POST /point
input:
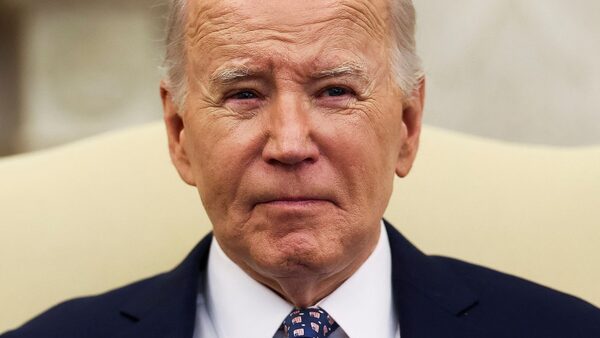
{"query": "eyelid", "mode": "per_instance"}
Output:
(345, 87)
(230, 94)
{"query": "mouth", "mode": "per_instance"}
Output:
(293, 202)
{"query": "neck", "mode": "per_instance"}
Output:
(311, 288)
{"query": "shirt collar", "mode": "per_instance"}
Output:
(366, 297)
(231, 293)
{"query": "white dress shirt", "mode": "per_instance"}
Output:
(233, 305)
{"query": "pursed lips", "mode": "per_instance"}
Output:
(293, 201)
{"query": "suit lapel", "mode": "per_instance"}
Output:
(431, 301)
(166, 306)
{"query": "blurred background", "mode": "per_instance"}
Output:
(517, 70)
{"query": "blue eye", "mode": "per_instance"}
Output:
(336, 91)
(244, 95)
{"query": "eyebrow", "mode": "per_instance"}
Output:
(349, 68)
(231, 74)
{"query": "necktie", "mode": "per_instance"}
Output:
(312, 322)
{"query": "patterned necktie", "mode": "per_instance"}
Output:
(312, 322)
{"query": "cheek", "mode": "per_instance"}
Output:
(359, 147)
(221, 149)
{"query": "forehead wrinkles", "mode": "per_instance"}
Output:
(204, 20)
(367, 16)
(228, 24)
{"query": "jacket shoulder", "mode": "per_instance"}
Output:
(91, 316)
(165, 301)
(509, 303)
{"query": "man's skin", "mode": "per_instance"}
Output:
(292, 132)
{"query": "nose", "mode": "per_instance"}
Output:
(289, 133)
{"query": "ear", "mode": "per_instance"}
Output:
(412, 114)
(176, 135)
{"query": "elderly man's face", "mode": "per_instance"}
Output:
(292, 130)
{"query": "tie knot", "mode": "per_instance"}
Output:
(311, 322)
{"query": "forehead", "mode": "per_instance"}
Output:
(316, 30)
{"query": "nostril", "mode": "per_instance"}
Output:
(291, 164)
(291, 158)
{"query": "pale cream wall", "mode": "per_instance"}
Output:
(520, 70)
(87, 67)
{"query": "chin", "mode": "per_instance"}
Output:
(296, 253)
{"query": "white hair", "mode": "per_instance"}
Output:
(174, 70)
(405, 62)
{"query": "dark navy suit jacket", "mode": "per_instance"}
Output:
(435, 297)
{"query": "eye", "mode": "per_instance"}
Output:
(244, 95)
(336, 91)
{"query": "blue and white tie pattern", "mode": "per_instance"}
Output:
(312, 322)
